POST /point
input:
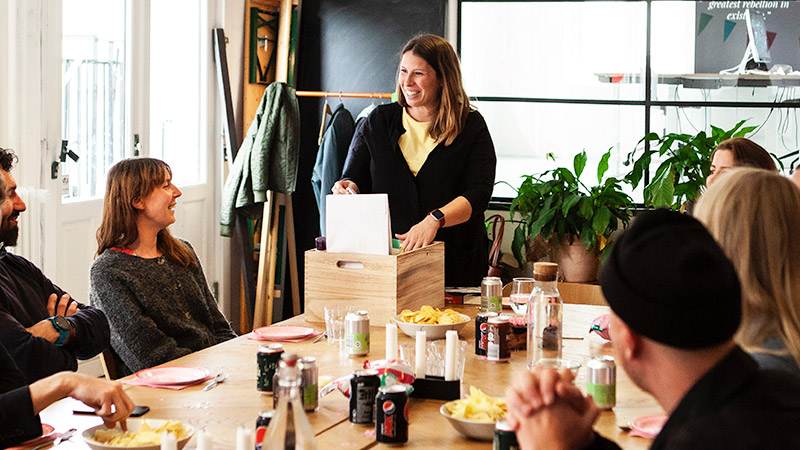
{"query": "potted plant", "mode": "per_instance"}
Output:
(685, 164)
(559, 209)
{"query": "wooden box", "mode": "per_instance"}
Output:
(384, 285)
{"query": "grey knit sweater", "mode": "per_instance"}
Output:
(158, 310)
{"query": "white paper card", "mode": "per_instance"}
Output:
(358, 224)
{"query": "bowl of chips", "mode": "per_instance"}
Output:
(475, 415)
(142, 434)
(433, 321)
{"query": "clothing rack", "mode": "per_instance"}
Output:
(343, 94)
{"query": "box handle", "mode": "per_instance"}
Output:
(350, 265)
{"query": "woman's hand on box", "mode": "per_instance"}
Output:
(420, 234)
(341, 188)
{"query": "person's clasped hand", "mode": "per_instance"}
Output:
(548, 411)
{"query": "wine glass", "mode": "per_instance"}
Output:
(521, 289)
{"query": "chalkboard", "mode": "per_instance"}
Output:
(721, 33)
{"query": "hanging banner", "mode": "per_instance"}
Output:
(721, 33)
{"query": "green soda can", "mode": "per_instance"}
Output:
(601, 381)
(356, 333)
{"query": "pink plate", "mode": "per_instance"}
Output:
(172, 375)
(283, 332)
(649, 426)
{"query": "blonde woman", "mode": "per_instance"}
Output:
(150, 284)
(431, 152)
(755, 216)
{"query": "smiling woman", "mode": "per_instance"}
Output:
(150, 284)
(431, 152)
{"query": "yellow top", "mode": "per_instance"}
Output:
(415, 143)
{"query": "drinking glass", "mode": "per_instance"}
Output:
(521, 289)
(334, 323)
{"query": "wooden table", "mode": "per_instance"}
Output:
(237, 403)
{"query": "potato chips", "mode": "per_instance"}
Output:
(477, 406)
(144, 436)
(431, 316)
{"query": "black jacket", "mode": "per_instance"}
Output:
(18, 423)
(23, 302)
(464, 168)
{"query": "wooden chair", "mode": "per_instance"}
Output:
(109, 366)
(574, 293)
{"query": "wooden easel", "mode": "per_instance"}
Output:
(265, 284)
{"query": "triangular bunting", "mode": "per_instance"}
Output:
(729, 25)
(770, 39)
(704, 19)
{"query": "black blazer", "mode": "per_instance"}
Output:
(464, 168)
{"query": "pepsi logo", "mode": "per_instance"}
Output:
(388, 407)
(483, 327)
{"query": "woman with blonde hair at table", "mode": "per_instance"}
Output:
(150, 284)
(754, 214)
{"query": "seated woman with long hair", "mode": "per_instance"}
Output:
(739, 152)
(150, 284)
(754, 214)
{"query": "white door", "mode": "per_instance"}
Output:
(134, 68)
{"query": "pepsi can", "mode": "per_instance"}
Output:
(480, 331)
(391, 415)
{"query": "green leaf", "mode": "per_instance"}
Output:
(585, 208)
(570, 201)
(517, 244)
(602, 166)
(579, 163)
(661, 189)
(544, 217)
(602, 216)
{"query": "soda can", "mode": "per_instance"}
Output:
(480, 331)
(497, 335)
(356, 333)
(492, 294)
(363, 389)
(601, 381)
(504, 437)
(309, 374)
(262, 423)
(391, 414)
(267, 358)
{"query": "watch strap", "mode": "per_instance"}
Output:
(63, 333)
(438, 216)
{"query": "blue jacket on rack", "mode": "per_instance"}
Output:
(330, 158)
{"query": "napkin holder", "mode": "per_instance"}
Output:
(436, 388)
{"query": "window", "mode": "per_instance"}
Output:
(564, 76)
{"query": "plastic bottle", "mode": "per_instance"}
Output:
(289, 428)
(545, 307)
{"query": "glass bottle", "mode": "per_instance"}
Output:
(545, 307)
(289, 428)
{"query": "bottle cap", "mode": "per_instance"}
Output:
(545, 271)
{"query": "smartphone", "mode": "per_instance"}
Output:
(137, 412)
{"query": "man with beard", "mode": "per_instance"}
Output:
(43, 329)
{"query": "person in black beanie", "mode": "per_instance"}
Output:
(675, 301)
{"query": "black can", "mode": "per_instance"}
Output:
(480, 331)
(363, 389)
(391, 415)
(262, 423)
(268, 357)
(504, 437)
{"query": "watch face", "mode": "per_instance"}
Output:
(437, 214)
(63, 323)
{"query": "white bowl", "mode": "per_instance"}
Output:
(133, 425)
(432, 331)
(473, 429)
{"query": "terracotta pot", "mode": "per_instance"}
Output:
(576, 264)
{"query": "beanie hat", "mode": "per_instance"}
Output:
(669, 281)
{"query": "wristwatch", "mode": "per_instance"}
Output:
(63, 326)
(438, 216)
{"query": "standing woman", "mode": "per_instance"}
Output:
(150, 284)
(431, 152)
(754, 215)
